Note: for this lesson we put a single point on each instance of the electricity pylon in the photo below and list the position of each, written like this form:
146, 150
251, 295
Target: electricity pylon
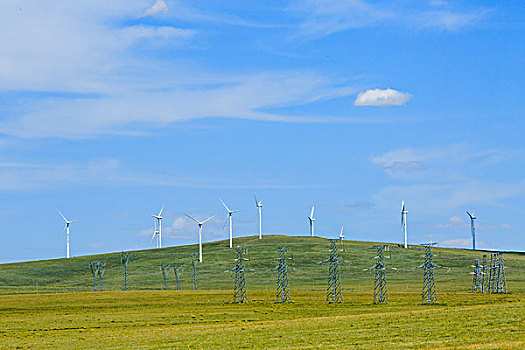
477, 279
429, 285
484, 279
239, 285
497, 280
283, 288
97, 269
178, 273
94, 267
380, 289
165, 273
124, 260
334, 292
194, 259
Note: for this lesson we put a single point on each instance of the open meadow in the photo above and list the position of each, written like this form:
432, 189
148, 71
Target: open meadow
65, 314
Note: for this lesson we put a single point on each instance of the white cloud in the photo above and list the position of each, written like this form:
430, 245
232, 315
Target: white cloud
158, 8
138, 109
381, 97
321, 18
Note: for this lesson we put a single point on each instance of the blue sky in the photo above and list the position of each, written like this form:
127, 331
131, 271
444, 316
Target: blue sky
108, 110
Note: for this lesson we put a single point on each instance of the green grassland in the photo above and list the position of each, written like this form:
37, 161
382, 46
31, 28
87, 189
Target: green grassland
67, 315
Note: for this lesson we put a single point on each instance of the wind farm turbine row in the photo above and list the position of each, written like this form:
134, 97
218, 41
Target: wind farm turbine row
157, 225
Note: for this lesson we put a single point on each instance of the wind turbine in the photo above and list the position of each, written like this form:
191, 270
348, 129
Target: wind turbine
312, 219
341, 236
200, 233
404, 221
259, 205
472, 228
230, 212
158, 217
66, 228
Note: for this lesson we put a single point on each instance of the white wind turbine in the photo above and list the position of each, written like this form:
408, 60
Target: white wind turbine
158, 221
404, 221
341, 236
312, 219
66, 228
259, 205
200, 233
230, 212
473, 228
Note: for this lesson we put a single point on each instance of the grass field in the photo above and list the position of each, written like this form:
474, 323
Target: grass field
147, 317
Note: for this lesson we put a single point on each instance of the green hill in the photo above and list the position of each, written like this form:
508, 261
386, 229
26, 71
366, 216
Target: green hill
306, 273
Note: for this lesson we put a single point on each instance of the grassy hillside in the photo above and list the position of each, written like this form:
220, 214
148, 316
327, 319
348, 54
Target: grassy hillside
145, 318
307, 273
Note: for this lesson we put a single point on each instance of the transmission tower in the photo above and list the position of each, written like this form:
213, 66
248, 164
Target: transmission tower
429, 284
124, 259
477, 279
283, 288
178, 273
333, 291
97, 269
497, 280
194, 259
165, 273
380, 289
94, 266
101, 270
484, 278
239, 285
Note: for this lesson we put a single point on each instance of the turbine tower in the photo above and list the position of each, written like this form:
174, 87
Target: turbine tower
230, 212
472, 228
158, 221
200, 233
66, 228
404, 221
312, 219
259, 205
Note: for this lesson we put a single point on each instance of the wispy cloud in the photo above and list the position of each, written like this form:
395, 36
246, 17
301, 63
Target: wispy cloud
381, 97
137, 109
321, 18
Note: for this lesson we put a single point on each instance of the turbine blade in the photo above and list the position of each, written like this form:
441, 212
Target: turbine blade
341, 230
207, 219
312, 213
256, 201
234, 211
225, 222
228, 209
192, 218
63, 217
160, 213
154, 233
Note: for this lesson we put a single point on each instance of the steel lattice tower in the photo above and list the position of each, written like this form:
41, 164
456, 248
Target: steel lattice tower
94, 267
178, 273
477, 279
429, 284
101, 270
334, 293
239, 286
484, 278
97, 269
283, 288
380, 289
165, 273
194, 259
124, 259
497, 280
